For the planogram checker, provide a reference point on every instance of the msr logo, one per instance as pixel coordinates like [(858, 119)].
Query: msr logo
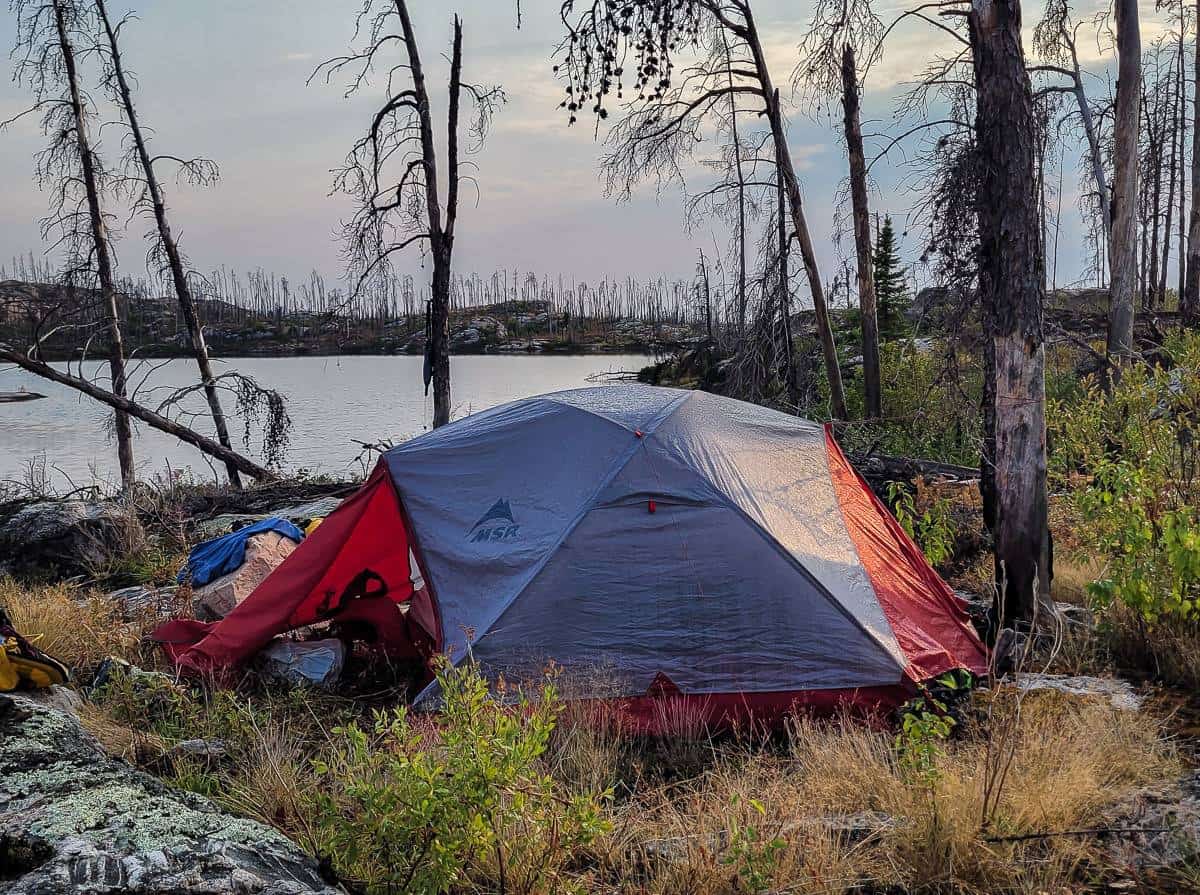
[(497, 524)]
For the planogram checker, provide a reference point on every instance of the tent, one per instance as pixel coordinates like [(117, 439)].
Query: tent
[(654, 543)]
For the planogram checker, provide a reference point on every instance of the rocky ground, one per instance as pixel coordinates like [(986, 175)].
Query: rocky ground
[(74, 820)]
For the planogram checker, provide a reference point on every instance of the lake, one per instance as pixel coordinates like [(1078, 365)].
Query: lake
[(333, 401)]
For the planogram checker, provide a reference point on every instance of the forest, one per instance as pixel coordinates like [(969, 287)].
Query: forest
[(1027, 436)]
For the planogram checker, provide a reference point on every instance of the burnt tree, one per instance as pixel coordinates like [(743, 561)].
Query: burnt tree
[(149, 198), (872, 391), (71, 170), (667, 112), (1011, 292), (1122, 245), (391, 173)]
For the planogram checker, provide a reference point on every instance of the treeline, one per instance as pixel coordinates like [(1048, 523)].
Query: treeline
[(237, 299)]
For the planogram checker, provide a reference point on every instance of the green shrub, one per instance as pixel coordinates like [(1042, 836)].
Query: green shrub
[(752, 854), (931, 528), (1130, 459), (459, 804), (925, 725), (930, 405)]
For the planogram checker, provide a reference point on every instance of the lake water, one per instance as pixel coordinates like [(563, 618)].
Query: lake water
[(332, 401)]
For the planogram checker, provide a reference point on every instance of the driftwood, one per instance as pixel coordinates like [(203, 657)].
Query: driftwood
[(149, 417), (14, 397)]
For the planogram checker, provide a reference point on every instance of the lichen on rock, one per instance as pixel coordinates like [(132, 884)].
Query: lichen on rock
[(74, 820)]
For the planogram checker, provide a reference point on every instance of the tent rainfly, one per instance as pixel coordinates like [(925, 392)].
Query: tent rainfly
[(655, 544)]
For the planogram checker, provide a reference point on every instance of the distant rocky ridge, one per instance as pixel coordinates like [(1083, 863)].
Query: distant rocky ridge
[(153, 328)]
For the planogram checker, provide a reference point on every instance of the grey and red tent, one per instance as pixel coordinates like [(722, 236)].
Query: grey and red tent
[(662, 543)]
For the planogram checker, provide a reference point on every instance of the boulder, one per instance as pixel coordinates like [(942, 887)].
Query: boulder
[(263, 553), (70, 537), (1120, 694), (74, 820)]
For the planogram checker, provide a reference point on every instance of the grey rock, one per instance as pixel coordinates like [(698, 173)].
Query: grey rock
[(139, 599), (74, 820), (72, 537), (209, 750), (1169, 813), (63, 699), (1119, 693)]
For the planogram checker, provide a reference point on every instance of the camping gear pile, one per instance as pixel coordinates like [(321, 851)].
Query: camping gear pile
[(226, 570), (654, 544)]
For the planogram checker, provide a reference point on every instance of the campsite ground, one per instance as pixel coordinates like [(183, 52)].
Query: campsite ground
[(1000, 789)]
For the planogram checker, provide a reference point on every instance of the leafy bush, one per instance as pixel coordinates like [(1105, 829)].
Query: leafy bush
[(1131, 459), (930, 405), (931, 526), (925, 724), (753, 855), (458, 804)]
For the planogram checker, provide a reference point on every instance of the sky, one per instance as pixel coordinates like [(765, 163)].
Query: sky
[(227, 79)]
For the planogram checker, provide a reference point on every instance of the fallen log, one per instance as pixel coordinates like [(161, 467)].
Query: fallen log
[(877, 467), (14, 397), (137, 411)]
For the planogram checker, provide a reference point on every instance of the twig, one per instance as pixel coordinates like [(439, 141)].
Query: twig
[(1096, 831)]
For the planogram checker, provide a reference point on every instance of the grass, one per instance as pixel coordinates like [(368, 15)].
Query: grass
[(826, 807), (78, 627), (849, 817)]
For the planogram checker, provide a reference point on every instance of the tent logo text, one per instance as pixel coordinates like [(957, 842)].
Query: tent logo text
[(497, 524)]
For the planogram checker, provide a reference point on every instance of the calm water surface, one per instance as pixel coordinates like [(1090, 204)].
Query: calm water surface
[(332, 401)]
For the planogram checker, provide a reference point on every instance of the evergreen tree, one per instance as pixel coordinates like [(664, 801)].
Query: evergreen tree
[(891, 290)]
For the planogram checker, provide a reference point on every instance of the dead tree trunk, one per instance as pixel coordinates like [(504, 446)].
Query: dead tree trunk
[(1175, 123), (441, 236), (104, 267), (739, 170), (862, 236), (1189, 301), (183, 292), (1122, 247), (785, 294), (1011, 291), (783, 161), (129, 409)]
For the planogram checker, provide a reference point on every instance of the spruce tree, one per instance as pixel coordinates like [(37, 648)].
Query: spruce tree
[(891, 291)]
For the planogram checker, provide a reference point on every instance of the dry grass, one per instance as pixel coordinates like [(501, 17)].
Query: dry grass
[(847, 815), (1168, 651), (78, 628), (696, 815)]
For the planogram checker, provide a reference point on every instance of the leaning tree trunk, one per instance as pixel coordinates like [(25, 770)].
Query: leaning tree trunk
[(128, 408), (783, 163), (104, 268), (1011, 291), (1189, 301), (862, 236), (1122, 248), (183, 291)]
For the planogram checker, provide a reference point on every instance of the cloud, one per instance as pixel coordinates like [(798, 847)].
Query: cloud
[(297, 57)]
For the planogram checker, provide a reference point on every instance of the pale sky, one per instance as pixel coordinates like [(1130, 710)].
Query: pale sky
[(226, 79)]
